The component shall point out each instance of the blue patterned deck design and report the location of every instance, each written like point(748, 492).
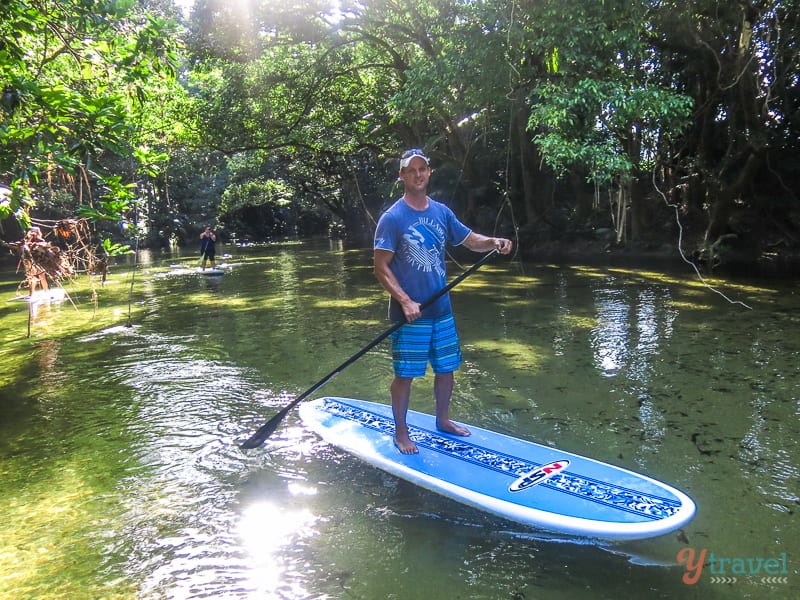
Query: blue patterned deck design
point(586, 488)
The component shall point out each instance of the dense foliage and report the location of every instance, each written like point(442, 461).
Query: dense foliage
point(551, 121)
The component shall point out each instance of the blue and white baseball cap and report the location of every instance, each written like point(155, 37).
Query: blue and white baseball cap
point(406, 157)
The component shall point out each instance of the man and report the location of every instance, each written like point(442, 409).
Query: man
point(208, 247)
point(409, 259)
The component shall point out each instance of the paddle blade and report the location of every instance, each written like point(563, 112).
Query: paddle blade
point(260, 436)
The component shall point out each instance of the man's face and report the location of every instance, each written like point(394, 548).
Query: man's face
point(416, 175)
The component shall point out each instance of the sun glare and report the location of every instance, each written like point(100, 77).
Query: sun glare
point(185, 6)
point(265, 528)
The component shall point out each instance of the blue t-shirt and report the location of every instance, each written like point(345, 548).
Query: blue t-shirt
point(418, 239)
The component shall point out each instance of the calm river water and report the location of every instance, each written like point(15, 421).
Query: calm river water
point(121, 475)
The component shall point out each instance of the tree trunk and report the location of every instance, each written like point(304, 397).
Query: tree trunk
point(722, 198)
point(527, 160)
point(536, 181)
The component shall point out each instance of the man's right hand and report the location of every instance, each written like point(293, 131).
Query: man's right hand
point(412, 310)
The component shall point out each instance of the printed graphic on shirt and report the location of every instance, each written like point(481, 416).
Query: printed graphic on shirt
point(422, 246)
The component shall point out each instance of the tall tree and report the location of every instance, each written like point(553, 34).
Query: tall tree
point(739, 63)
point(601, 111)
point(74, 74)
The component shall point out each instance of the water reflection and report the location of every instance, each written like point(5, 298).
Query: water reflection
point(564, 329)
point(610, 335)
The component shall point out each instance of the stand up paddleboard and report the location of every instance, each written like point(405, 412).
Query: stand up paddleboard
point(522, 481)
point(54, 294)
point(213, 272)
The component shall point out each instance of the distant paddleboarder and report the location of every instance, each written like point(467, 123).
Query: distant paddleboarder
point(208, 247)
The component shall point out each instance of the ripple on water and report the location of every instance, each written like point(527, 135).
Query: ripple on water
point(190, 534)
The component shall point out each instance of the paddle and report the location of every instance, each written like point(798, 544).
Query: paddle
point(270, 426)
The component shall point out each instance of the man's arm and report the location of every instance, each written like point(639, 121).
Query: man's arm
point(481, 243)
point(384, 274)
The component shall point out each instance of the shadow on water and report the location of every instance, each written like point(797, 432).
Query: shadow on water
point(122, 476)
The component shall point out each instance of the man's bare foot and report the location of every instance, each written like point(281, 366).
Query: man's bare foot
point(405, 445)
point(450, 427)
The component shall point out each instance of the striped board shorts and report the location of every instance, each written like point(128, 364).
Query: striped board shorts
point(426, 340)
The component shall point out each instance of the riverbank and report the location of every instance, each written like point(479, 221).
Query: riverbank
point(782, 263)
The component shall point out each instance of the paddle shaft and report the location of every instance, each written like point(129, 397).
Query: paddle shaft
point(260, 436)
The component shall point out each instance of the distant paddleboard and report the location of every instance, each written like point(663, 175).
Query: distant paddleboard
point(211, 271)
point(519, 480)
point(51, 295)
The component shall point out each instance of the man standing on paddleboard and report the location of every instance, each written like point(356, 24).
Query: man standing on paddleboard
point(208, 247)
point(409, 259)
